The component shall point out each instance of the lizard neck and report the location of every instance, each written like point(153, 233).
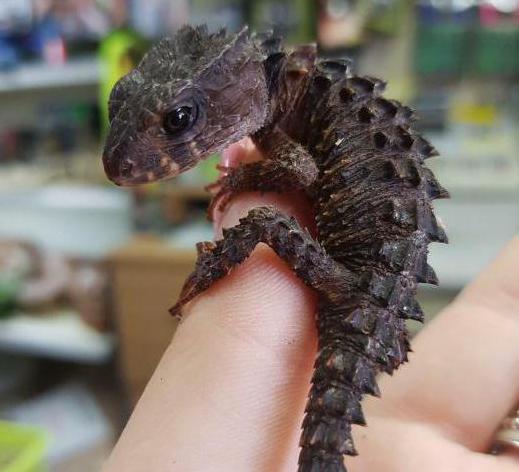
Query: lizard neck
point(286, 75)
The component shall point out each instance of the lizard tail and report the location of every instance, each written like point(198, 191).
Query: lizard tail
point(357, 339)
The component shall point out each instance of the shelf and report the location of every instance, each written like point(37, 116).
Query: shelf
point(187, 192)
point(77, 220)
point(151, 249)
point(62, 336)
point(38, 75)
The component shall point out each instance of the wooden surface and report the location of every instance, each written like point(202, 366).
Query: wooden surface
point(147, 278)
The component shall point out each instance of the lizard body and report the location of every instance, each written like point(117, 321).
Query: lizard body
point(326, 132)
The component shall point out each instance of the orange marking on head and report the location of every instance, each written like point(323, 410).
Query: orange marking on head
point(194, 149)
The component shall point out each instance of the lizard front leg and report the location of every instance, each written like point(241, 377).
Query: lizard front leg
point(285, 236)
point(286, 166)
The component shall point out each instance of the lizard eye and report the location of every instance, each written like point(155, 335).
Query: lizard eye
point(178, 119)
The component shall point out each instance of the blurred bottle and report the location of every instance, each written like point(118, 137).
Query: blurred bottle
point(119, 53)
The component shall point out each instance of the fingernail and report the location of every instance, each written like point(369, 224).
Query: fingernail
point(291, 204)
point(231, 157)
point(231, 215)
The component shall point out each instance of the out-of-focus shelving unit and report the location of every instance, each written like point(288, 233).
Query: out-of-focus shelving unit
point(39, 75)
point(60, 335)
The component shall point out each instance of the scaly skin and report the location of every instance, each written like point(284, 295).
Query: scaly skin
point(326, 132)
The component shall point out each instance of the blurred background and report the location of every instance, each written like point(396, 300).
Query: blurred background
point(87, 270)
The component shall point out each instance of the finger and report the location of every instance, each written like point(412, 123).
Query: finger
point(463, 377)
point(510, 456)
point(230, 390)
point(295, 203)
point(393, 445)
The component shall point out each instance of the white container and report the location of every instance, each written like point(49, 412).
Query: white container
point(77, 220)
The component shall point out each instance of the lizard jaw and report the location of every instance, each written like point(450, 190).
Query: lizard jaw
point(122, 170)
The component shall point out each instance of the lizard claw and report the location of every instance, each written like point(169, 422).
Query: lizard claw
point(223, 168)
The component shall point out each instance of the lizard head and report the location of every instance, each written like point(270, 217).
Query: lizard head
point(191, 96)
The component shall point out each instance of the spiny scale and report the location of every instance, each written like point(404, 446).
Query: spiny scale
point(373, 214)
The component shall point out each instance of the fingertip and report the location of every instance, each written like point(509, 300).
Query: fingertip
point(262, 301)
point(292, 204)
point(240, 152)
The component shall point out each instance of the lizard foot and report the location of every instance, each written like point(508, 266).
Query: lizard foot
point(285, 236)
point(262, 176)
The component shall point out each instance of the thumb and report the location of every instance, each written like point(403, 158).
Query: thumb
point(230, 390)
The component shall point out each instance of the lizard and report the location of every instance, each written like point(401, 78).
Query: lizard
point(323, 131)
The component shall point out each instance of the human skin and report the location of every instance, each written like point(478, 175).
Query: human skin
point(229, 392)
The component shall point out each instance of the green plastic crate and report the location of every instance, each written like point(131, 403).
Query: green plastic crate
point(22, 449)
point(441, 49)
point(496, 51)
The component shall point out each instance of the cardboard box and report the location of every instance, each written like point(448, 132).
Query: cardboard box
point(147, 276)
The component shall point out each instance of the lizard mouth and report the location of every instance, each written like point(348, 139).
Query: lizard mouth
point(124, 170)
point(129, 179)
point(120, 170)
point(147, 178)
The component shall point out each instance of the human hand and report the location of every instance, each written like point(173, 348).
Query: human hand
point(230, 391)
